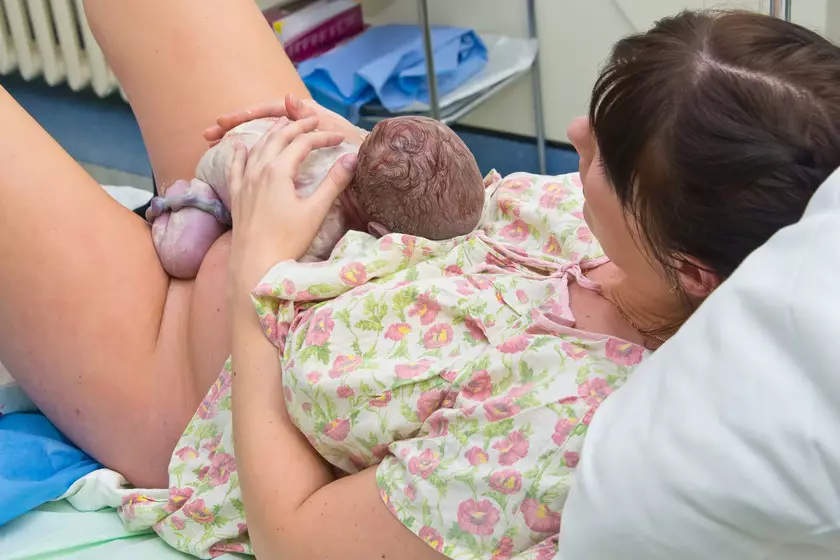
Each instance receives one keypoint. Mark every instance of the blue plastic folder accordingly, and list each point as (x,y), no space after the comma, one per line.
(387,63)
(37,463)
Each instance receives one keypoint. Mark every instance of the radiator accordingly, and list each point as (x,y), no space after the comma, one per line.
(51,39)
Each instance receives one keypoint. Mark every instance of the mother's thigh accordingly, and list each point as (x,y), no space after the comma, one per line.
(81,297)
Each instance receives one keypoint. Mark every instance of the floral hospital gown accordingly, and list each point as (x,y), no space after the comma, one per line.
(452,365)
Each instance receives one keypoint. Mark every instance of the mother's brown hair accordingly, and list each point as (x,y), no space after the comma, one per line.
(715,128)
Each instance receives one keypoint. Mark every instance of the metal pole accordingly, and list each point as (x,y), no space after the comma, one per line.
(536,84)
(781,6)
(434,101)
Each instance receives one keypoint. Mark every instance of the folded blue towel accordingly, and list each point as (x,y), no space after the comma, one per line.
(388,63)
(37,464)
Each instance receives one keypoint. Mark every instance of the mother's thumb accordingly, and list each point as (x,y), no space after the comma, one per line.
(337,179)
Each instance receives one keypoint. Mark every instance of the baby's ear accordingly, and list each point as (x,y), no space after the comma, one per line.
(377,229)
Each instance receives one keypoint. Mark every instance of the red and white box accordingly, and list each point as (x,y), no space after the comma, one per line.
(308,28)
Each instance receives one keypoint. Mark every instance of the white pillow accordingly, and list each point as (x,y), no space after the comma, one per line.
(726,443)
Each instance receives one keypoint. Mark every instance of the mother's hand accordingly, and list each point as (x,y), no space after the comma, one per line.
(271,223)
(294,109)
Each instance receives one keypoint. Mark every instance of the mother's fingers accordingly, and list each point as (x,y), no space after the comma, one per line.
(277,139)
(302,145)
(236,171)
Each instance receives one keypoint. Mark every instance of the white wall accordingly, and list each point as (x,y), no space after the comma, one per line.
(575,39)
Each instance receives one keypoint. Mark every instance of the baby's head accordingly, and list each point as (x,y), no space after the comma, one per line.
(415,176)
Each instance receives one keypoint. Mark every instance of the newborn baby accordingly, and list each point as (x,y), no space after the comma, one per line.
(414,176)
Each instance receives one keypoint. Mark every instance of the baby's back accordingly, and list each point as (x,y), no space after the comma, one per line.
(186,222)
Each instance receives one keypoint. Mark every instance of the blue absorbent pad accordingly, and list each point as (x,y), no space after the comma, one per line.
(388,63)
(37,463)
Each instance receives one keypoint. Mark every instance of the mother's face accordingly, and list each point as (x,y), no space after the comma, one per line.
(615,230)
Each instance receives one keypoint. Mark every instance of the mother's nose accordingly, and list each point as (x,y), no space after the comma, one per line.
(579,134)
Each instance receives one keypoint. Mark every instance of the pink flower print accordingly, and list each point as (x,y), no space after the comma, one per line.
(209,407)
(477,456)
(177,498)
(568,400)
(431,537)
(226,548)
(475,328)
(338,429)
(477,518)
(562,429)
(178,523)
(521,296)
(464,288)
(539,517)
(221,468)
(320,328)
(426,308)
(307,407)
(344,392)
(449,399)
(186,453)
(242,528)
(344,364)
(412,370)
(594,391)
(507,482)
(512,448)
(313,377)
(198,512)
(424,464)
(516,344)
(479,387)
(516,186)
(428,403)
(288,287)
(211,445)
(202,472)
(386,243)
(449,375)
(574,351)
(571,459)
(130,502)
(353,274)
(453,270)
(516,231)
(552,247)
(480,283)
(500,408)
(288,395)
(504,550)
(397,331)
(410,492)
(380,451)
(508,207)
(624,353)
(438,425)
(587,418)
(438,336)
(409,243)
(574,178)
(584,234)
(381,401)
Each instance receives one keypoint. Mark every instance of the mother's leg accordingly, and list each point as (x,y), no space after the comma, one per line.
(182,64)
(81,298)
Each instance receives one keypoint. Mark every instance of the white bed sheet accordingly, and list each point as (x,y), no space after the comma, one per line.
(57,530)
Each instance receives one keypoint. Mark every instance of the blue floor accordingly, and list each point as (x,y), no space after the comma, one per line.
(104,132)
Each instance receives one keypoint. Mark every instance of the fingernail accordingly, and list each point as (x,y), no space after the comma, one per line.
(349,162)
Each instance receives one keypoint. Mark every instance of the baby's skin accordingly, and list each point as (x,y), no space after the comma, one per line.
(192,215)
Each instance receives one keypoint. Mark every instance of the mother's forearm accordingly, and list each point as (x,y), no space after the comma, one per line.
(278,469)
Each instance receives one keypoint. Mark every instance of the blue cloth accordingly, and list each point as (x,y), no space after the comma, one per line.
(388,63)
(37,463)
